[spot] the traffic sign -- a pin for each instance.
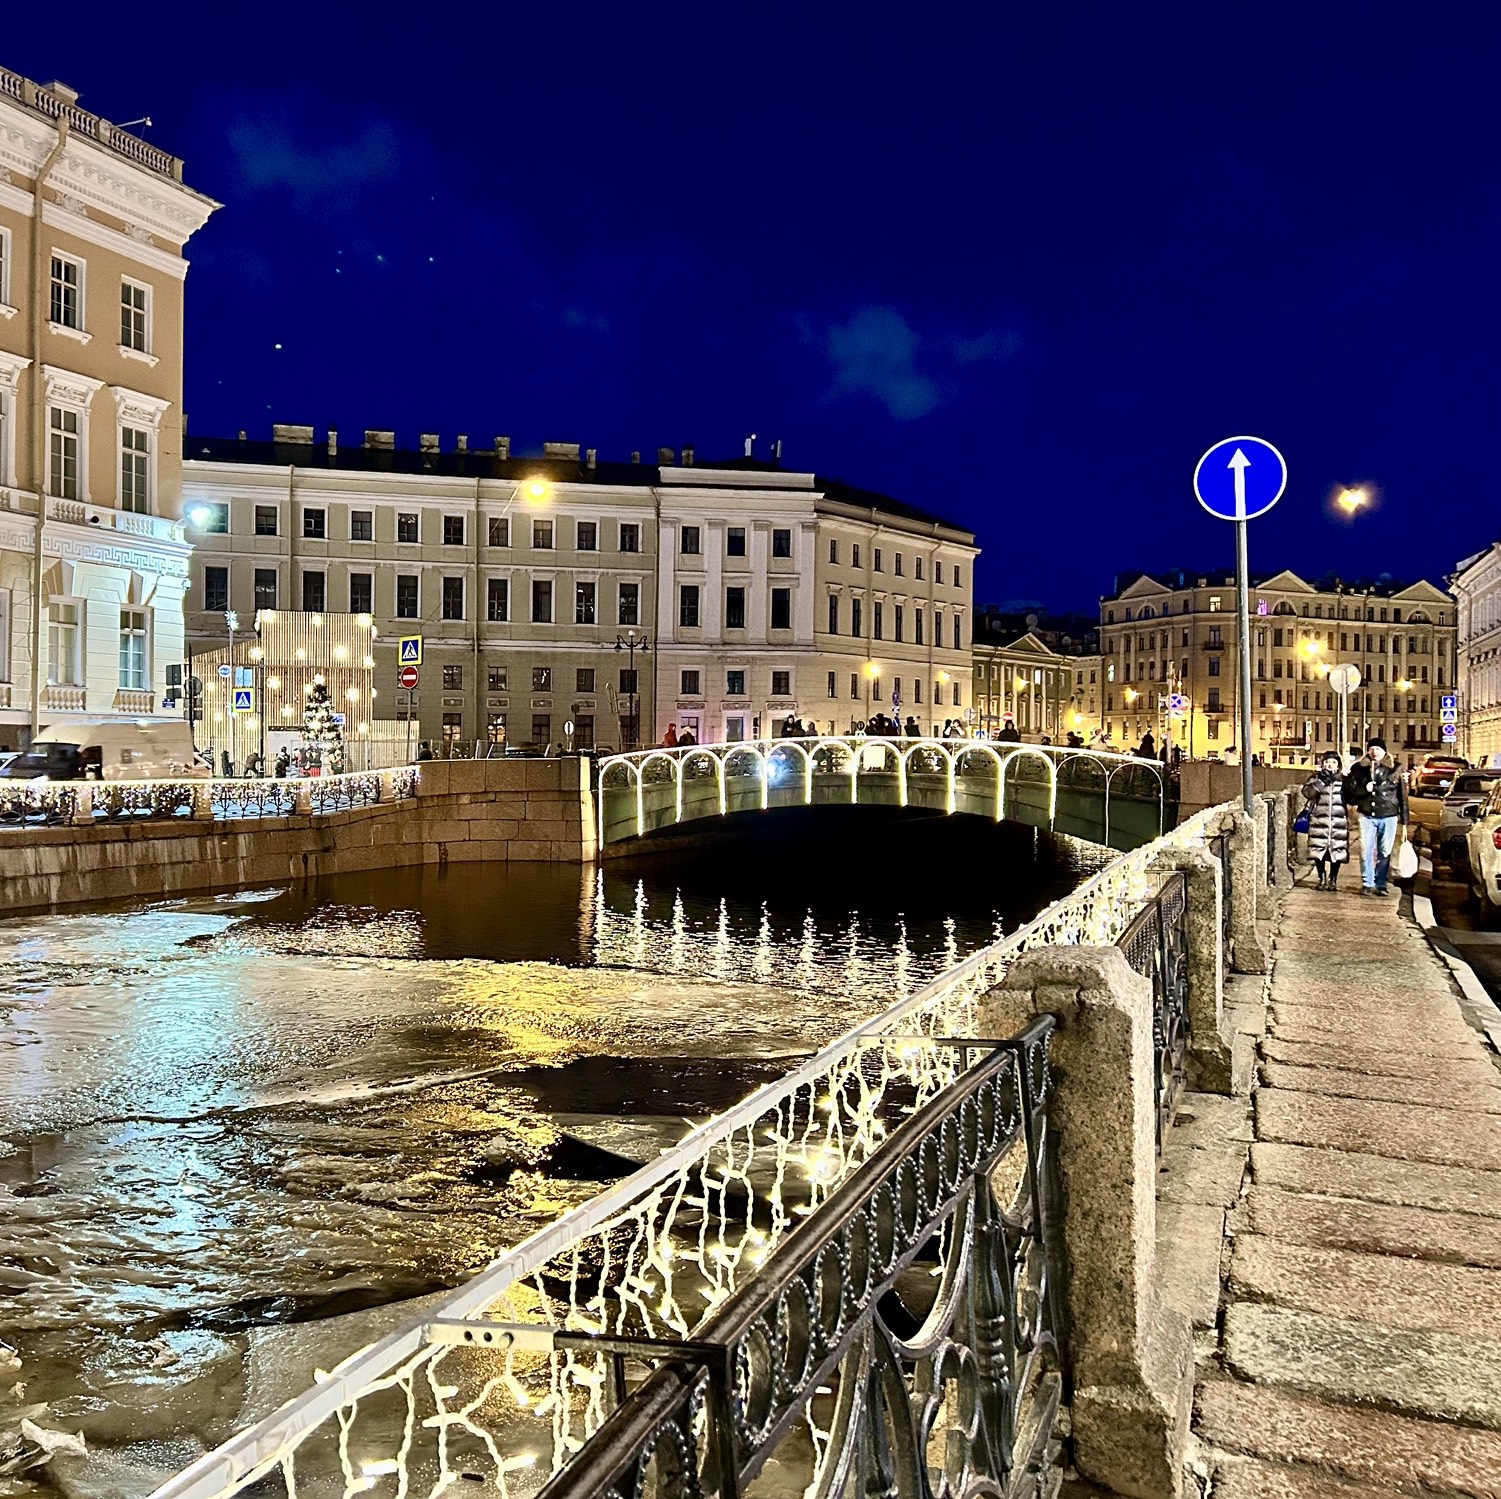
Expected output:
(408, 677)
(1345, 679)
(340, 719)
(1177, 703)
(244, 700)
(409, 650)
(1450, 732)
(1240, 478)
(226, 672)
(1448, 707)
(244, 676)
(1448, 715)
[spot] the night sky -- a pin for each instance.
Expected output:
(1017, 264)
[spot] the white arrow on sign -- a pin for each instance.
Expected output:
(1240, 463)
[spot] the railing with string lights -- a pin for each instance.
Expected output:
(42, 803)
(509, 1379)
(1119, 801)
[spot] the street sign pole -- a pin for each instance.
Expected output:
(1243, 594)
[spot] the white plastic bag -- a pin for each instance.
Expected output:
(1406, 862)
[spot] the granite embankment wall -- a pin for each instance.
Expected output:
(464, 811)
(1210, 783)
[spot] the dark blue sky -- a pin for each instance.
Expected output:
(1018, 264)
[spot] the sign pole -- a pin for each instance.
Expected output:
(1243, 592)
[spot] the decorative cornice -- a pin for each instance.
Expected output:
(139, 409)
(69, 387)
(11, 366)
(73, 544)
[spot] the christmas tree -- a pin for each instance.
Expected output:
(322, 738)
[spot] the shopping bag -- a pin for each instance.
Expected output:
(1300, 822)
(1406, 861)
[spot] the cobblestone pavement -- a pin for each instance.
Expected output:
(1358, 1345)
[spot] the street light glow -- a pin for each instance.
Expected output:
(1351, 500)
(537, 489)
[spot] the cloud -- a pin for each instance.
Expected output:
(875, 354)
(269, 157)
(879, 354)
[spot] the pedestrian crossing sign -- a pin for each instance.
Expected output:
(409, 650)
(244, 700)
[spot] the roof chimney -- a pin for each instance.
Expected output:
(636, 457)
(385, 440)
(590, 456)
(242, 434)
(428, 442)
(461, 443)
(776, 450)
(283, 432)
(333, 442)
(502, 447)
(561, 450)
(665, 455)
(750, 446)
(688, 456)
(63, 92)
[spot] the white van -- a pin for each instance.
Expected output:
(110, 749)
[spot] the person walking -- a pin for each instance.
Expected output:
(670, 738)
(1147, 749)
(1375, 788)
(1328, 822)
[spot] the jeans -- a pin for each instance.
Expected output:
(1376, 862)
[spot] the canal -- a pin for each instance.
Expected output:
(239, 1134)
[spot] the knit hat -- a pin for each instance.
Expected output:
(1375, 742)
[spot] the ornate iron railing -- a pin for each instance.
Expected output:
(1156, 946)
(905, 1340)
(1219, 845)
(656, 1257)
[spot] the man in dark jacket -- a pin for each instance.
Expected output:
(1377, 790)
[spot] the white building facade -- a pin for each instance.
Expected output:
(1477, 588)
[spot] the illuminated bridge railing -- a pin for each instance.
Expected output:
(1115, 800)
(877, 1148)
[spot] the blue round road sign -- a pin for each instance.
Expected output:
(1240, 478)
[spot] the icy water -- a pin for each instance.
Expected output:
(237, 1132)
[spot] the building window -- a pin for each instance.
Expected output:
(541, 728)
(314, 599)
(265, 588)
(688, 540)
(265, 520)
(541, 601)
(688, 687)
(64, 450)
(453, 530)
(541, 535)
(938, 576)
(587, 539)
(134, 676)
(495, 678)
(781, 683)
(216, 588)
(630, 604)
(5, 268)
(453, 678)
(734, 608)
(315, 524)
(896, 623)
(938, 630)
(499, 600)
(583, 679)
(781, 608)
(135, 317)
(541, 679)
(833, 614)
(734, 683)
(583, 731)
(407, 526)
(1214, 604)
(495, 728)
(361, 593)
(362, 525)
(1214, 700)
(833, 550)
(781, 542)
(878, 618)
(833, 684)
(896, 564)
(957, 582)
(734, 541)
(453, 728)
(855, 607)
(66, 309)
(500, 530)
(64, 666)
(855, 685)
(917, 568)
(958, 632)
(406, 596)
(628, 679)
(135, 470)
(583, 604)
(854, 554)
(688, 605)
(630, 536)
(917, 627)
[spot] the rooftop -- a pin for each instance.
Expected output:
(1182, 578)
(56, 101)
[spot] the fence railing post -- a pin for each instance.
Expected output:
(1249, 953)
(1210, 1038)
(1131, 1354)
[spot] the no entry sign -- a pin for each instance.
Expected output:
(408, 677)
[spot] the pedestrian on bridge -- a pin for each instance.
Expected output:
(1377, 790)
(1328, 822)
(670, 738)
(1147, 749)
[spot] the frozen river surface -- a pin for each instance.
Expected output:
(222, 1119)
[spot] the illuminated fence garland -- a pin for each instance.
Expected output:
(499, 1384)
(56, 803)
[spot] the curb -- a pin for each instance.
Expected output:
(1475, 1004)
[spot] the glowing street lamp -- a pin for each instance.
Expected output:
(1351, 501)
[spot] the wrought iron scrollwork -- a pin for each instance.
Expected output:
(904, 1340)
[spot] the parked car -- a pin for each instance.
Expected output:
(1483, 846)
(1435, 776)
(115, 749)
(1462, 806)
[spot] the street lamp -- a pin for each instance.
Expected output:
(1352, 501)
(632, 642)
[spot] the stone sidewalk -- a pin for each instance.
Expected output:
(1357, 1347)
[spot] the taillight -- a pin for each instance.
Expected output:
(1496, 836)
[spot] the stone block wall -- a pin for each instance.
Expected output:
(539, 811)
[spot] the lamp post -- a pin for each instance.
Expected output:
(631, 643)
